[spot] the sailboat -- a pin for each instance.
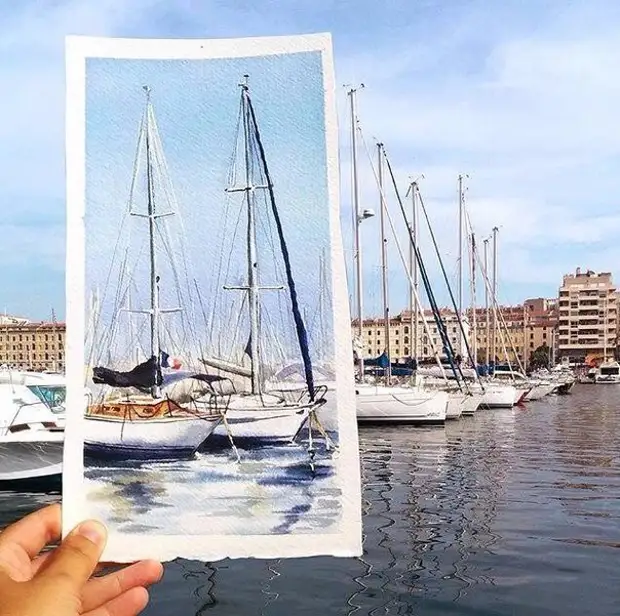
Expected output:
(387, 402)
(143, 417)
(255, 411)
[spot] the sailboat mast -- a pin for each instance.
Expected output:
(384, 281)
(474, 324)
(494, 295)
(487, 322)
(154, 278)
(460, 281)
(253, 283)
(413, 268)
(358, 219)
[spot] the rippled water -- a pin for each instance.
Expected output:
(276, 490)
(506, 513)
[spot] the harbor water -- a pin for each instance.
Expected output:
(508, 512)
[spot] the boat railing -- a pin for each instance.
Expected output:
(11, 425)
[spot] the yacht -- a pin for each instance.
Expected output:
(608, 373)
(31, 439)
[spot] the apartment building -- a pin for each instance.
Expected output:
(373, 341)
(587, 316)
(30, 345)
(541, 326)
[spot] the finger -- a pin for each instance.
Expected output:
(129, 603)
(76, 559)
(101, 590)
(38, 564)
(33, 532)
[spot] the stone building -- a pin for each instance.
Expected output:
(32, 345)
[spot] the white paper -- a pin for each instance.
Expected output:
(277, 500)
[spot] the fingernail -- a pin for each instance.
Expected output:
(93, 531)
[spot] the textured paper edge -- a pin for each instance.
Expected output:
(127, 548)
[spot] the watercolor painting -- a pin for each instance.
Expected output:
(210, 399)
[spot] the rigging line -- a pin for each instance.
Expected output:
(473, 360)
(301, 329)
(402, 257)
(215, 281)
(441, 326)
(501, 316)
(496, 312)
(495, 306)
(221, 272)
(135, 170)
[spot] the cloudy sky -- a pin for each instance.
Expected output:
(521, 96)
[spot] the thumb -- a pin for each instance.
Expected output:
(76, 559)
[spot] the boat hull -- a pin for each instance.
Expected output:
(539, 391)
(28, 457)
(471, 404)
(125, 431)
(456, 402)
(380, 404)
(266, 419)
(565, 388)
(499, 397)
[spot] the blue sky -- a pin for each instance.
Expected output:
(196, 107)
(521, 95)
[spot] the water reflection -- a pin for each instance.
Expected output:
(508, 512)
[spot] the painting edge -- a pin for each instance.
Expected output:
(347, 543)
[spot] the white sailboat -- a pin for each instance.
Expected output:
(140, 413)
(260, 409)
(384, 402)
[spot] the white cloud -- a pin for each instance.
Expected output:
(533, 122)
(527, 104)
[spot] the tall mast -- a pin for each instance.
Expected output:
(474, 324)
(384, 280)
(253, 286)
(357, 221)
(413, 268)
(460, 259)
(487, 321)
(494, 295)
(154, 278)
(251, 253)
(155, 311)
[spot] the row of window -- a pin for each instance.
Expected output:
(27, 337)
(31, 357)
(21, 347)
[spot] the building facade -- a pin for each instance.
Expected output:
(521, 329)
(30, 345)
(587, 317)
(373, 340)
(510, 335)
(541, 326)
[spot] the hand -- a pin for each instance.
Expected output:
(58, 582)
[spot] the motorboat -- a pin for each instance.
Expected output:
(31, 439)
